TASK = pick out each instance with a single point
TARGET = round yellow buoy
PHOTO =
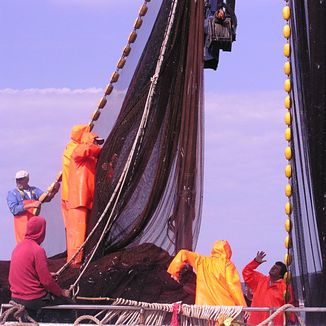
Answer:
(286, 12)
(287, 85)
(288, 225)
(108, 89)
(287, 49)
(126, 50)
(288, 190)
(288, 171)
(288, 208)
(287, 31)
(288, 242)
(288, 102)
(288, 134)
(288, 118)
(287, 259)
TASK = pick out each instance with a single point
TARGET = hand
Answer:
(34, 204)
(176, 278)
(65, 293)
(260, 257)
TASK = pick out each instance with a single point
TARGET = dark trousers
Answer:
(33, 306)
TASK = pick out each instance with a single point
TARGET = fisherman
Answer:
(24, 200)
(81, 185)
(268, 291)
(31, 283)
(75, 139)
(217, 280)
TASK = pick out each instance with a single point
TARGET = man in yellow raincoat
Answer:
(218, 281)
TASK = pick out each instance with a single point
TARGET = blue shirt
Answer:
(15, 199)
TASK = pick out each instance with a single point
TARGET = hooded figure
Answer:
(217, 281)
(29, 277)
(75, 139)
(81, 185)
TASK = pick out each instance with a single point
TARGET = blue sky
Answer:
(56, 57)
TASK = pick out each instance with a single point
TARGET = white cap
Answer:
(21, 174)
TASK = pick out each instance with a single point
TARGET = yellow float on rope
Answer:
(287, 68)
(288, 242)
(288, 134)
(288, 118)
(287, 259)
(288, 171)
(288, 153)
(287, 50)
(286, 12)
(288, 102)
(288, 208)
(287, 85)
(288, 225)
(287, 31)
(288, 190)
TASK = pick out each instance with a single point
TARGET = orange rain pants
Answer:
(76, 232)
(217, 281)
(20, 222)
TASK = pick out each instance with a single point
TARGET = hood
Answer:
(78, 131)
(88, 138)
(221, 248)
(35, 229)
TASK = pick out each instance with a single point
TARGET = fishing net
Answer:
(309, 144)
(149, 175)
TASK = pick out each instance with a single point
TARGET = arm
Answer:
(182, 258)
(44, 275)
(84, 151)
(250, 276)
(15, 204)
(234, 285)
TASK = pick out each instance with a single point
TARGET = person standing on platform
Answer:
(75, 139)
(24, 200)
(81, 185)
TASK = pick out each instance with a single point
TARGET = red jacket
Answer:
(29, 276)
(265, 293)
(82, 172)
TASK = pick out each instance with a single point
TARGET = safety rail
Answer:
(142, 311)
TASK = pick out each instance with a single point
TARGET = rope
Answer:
(135, 149)
(277, 312)
(19, 313)
(87, 317)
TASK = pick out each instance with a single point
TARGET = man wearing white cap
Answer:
(22, 201)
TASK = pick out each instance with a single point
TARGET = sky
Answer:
(56, 57)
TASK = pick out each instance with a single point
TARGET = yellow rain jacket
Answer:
(218, 282)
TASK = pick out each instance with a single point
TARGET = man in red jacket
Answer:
(268, 291)
(31, 283)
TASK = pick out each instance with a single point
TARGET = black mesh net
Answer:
(157, 198)
(309, 143)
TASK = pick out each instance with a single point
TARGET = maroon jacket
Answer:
(29, 276)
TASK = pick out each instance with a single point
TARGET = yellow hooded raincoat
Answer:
(218, 282)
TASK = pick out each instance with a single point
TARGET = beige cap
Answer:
(21, 174)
